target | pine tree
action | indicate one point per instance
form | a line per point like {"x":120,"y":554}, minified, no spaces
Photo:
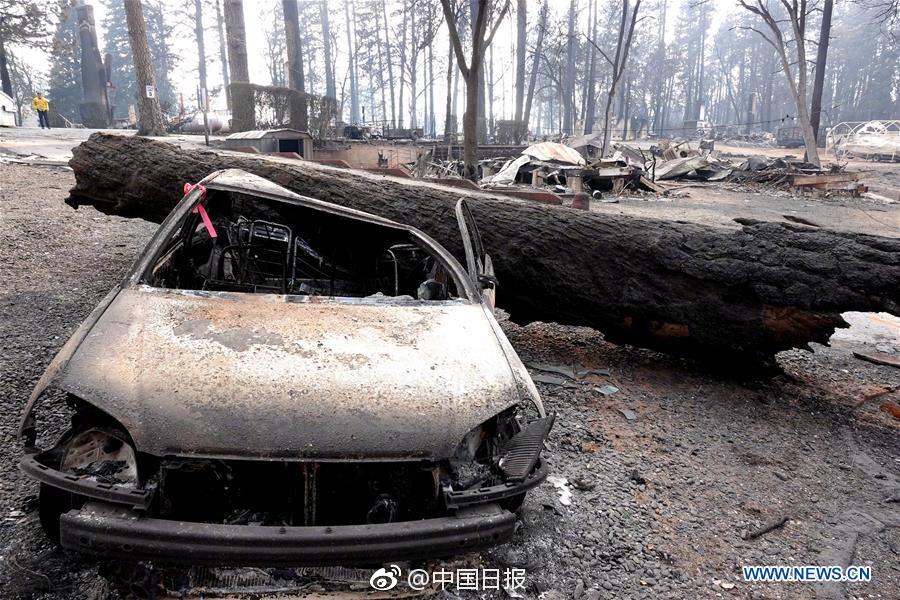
{"x":118,"y":46}
{"x":64,"y":90}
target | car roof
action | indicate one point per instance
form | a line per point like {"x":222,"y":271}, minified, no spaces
{"x":237,"y":180}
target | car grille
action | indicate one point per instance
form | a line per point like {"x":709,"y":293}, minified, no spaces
{"x":295,"y":493}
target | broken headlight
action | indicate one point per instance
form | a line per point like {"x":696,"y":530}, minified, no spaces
{"x":101,"y":453}
{"x":478,"y":454}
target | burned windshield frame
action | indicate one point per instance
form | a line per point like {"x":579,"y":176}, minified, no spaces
{"x":272,"y":254}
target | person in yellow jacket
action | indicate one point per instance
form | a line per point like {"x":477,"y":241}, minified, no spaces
{"x":42,"y":107}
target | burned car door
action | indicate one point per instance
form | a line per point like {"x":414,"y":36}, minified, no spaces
{"x":478,"y":262}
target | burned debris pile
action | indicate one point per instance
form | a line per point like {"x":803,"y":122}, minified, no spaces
{"x":727,"y":294}
{"x":555,"y":173}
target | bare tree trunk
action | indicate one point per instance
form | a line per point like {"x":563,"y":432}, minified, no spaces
{"x":237,"y":40}
{"x":796,"y":12}
{"x":223,"y":54}
{"x":821,"y":60}
{"x":490,"y":89}
{"x":447,"y":113}
{"x":351,"y":50}
{"x":568,"y":91}
{"x":590,"y":98}
{"x":326,"y":44}
{"x":535,"y":62}
{"x":403,"y":50}
{"x":431,"y":124}
{"x":201,"y":65}
{"x":296,"y":77}
{"x":151,"y":120}
{"x":413,"y":68}
{"x":294,"y":43}
{"x":380,"y":69}
{"x":390,"y":62}
{"x":622,"y":47}
{"x":521,"y":26}
{"x":480,"y":121}
{"x":660,"y":74}
{"x":472,"y":73}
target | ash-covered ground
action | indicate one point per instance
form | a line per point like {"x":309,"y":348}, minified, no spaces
{"x":667,"y":475}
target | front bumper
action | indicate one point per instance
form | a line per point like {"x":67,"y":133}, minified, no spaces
{"x":105,"y":530}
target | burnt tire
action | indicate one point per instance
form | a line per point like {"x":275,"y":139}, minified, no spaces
{"x":52,"y":504}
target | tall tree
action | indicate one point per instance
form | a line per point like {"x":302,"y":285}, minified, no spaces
{"x":352,"y":50}
{"x":623,"y":46}
{"x":118,"y":48}
{"x":275,"y":48}
{"x":223,"y":53}
{"x":536,"y":61}
{"x":821,"y":61}
{"x":521,"y":30}
{"x":796,"y":13}
{"x":201,"y":66}
{"x":590,"y":101}
{"x":296,"y":79}
{"x":326,"y":42}
{"x":64,"y":88}
{"x":151,"y":117}
{"x":448,"y":108}
{"x":390,"y":62}
{"x":237,"y":41}
{"x":568,"y":91}
{"x":481,"y":37}
{"x":21,"y":22}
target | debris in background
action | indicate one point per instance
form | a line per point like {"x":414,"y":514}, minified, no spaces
{"x":507,"y":174}
{"x":879,"y":358}
{"x":581,"y":201}
{"x":878,"y":140}
{"x":606,"y":390}
{"x":553,"y":152}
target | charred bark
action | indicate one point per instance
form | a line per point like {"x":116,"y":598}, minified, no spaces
{"x":682,"y":287}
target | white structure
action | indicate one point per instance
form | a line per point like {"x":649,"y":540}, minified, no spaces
{"x":7,"y":111}
{"x":878,"y":140}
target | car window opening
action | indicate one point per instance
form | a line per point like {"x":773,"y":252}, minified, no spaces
{"x":266,"y":246}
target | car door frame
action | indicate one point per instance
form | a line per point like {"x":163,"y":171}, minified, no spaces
{"x":479,"y":265}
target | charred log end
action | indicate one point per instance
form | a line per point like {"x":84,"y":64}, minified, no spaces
{"x":794,"y":328}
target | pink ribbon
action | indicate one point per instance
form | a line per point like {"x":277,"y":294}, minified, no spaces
{"x":202,"y":209}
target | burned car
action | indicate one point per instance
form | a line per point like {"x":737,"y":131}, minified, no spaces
{"x":281,"y":380}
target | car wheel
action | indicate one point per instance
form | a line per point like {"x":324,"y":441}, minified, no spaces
{"x":52,"y":503}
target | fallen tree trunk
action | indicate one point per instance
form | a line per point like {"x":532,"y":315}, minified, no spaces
{"x":674,"y":286}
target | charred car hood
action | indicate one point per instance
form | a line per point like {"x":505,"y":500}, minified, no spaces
{"x":265,"y":376}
